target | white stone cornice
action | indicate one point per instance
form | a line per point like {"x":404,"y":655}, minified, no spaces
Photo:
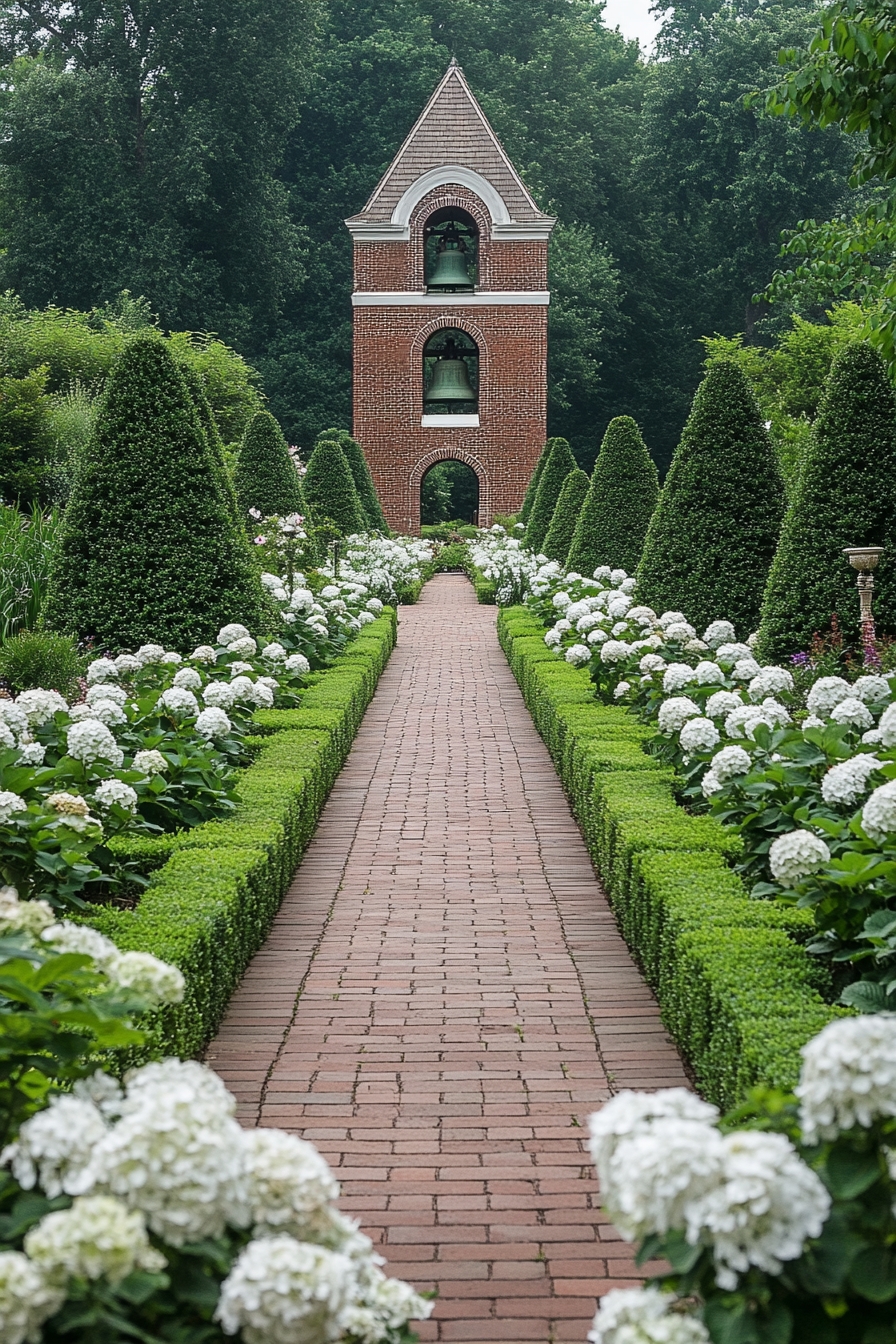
{"x":404,"y":298}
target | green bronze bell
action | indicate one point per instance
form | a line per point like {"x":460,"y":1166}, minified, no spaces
{"x":450,"y":270}
{"x":450,"y":379}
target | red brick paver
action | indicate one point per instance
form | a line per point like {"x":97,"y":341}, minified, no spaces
{"x":444,"y":997}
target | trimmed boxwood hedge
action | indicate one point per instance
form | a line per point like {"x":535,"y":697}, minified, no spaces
{"x":737,"y":992}
{"x":215,"y":889}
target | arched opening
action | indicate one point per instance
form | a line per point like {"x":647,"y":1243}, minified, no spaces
{"x":449,"y":493}
{"x":450,"y":373}
{"x":451,"y":251}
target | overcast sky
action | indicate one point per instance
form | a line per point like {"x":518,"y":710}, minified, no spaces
{"x":634,"y":19}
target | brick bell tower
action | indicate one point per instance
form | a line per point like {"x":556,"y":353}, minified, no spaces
{"x":450,"y":313}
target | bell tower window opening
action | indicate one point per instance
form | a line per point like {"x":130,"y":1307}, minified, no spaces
{"x":451,"y":252}
{"x":450,"y":374}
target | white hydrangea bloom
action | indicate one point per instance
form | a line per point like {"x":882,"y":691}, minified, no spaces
{"x":848,"y":1076}
{"x":150,"y":762}
{"x":54,"y":1147}
{"x":619,"y":606}
{"x":14,"y":716}
{"x":767,"y":1204}
{"x":598,"y":637}
{"x":770,"y":681}
{"x":622,"y":689}
{"x":677,"y":676}
{"x":614,"y":651}
{"x":90,"y":741}
{"x":650,"y":663}
{"x":240,"y":669}
{"x":213,"y":722}
{"x":103,"y":711}
{"x":710,"y":784}
{"x":169,"y":657}
{"x":383,"y":1306}
{"x":188,"y":679}
{"x":674,"y":713}
{"x":602,"y":572}
{"x":365,"y":618}
{"x":696,"y":646}
{"x":287,"y":1181}
{"x":633,"y":1112}
{"x":879,"y":813}
{"x":681,"y":633}
{"x":262,"y":695}
{"x":887,"y":726}
{"x":374,"y":605}
{"x":718,"y":633}
{"x":203,"y":653}
{"x":243,"y":648}
{"x":176,"y":1152}
{"x":220,"y":694}
{"x":619,"y":629}
{"x":178,"y":700}
{"x":578,"y":654}
{"x":97,"y":1238}
{"x":552,"y":638}
{"x":872,"y":689}
{"x":274,"y":652}
{"x":32,"y":753}
{"x":744,"y":721}
{"x":825,"y":694}
{"x":643,"y":1316}
{"x":23,"y":916}
{"x":105,"y":691}
{"x":114,"y":791}
{"x":102,"y":669}
{"x":229,"y":634}
{"x":709,"y":674}
{"x":154,"y":980}
{"x":852,"y":713}
{"x":81,"y":938}
{"x":721,"y":704}
{"x":282,"y":1291}
{"x":329,"y":591}
{"x":874,"y":738}
{"x":40,"y":705}
{"x":813,"y":721}
{"x":731,"y":762}
{"x":303,"y":600}
{"x":657,"y":1174}
{"x":128,"y":664}
{"x":561,"y":601}
{"x":576,"y":610}
{"x":563,"y":625}
{"x":10,"y":804}
{"x":746,"y":669}
{"x":775,"y":712}
{"x":672,"y":618}
{"x":26,"y":1299}
{"x":643,"y":615}
{"x":699,"y":735}
{"x":149,"y":654}
{"x":795,"y":855}
{"x":298,"y":664}
{"x":102,"y":1091}
{"x":845,"y":783}
{"x":733,"y":652}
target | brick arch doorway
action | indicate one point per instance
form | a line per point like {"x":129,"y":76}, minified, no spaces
{"x":450,"y":453}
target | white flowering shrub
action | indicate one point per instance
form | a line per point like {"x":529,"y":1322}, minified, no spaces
{"x":779,"y":1233}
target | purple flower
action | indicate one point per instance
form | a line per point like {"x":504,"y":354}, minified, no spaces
{"x":261,"y":541}
{"x":799,"y":659}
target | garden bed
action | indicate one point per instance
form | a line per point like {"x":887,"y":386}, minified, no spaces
{"x":215,"y":889}
{"x":737,"y":992}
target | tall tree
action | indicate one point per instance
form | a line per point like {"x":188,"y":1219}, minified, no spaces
{"x":615,"y":514}
{"x":266,"y":478}
{"x":558,"y":464}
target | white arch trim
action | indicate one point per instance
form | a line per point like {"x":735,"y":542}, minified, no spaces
{"x":451,"y":174}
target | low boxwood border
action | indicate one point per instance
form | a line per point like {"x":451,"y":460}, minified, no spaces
{"x":736,"y":990}
{"x":214,"y":890}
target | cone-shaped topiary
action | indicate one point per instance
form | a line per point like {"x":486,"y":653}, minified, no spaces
{"x":566,"y":515}
{"x":212,"y":436}
{"x":559,"y":463}
{"x":149,"y":551}
{"x":532,"y":488}
{"x":266,"y":478}
{"x":354,"y":456}
{"x":620,"y":502}
{"x":846,"y":497}
{"x":713,"y":535}
{"x":330,"y":489}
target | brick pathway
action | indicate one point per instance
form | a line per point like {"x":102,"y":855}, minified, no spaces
{"x":444,"y":997}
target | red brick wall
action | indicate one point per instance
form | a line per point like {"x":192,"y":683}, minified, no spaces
{"x":388,"y":369}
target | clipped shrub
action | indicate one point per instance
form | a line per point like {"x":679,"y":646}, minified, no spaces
{"x":620,"y":502}
{"x":212,"y":437}
{"x":330,"y":489}
{"x":354,"y":456}
{"x":265,"y":477}
{"x":148,"y":549}
{"x":532,"y":487}
{"x":847,"y":497}
{"x":566,"y":516}
{"x":560,"y":462}
{"x":39,"y":658}
{"x":713,"y":535}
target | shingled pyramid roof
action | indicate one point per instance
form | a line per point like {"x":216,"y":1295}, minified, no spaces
{"x":451,"y":130}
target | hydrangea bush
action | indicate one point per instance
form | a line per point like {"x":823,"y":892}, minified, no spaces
{"x":139,"y":1208}
{"x":777,"y":1221}
{"x":804,"y":768}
